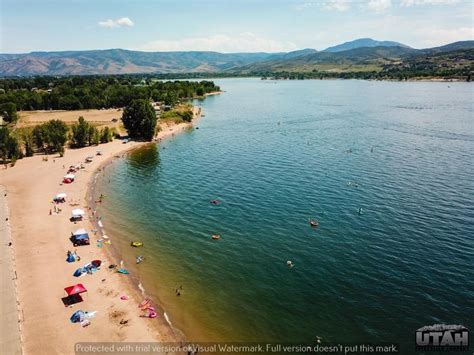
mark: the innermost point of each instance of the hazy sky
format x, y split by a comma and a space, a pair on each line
228, 26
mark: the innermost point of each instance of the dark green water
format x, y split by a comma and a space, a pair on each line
276, 154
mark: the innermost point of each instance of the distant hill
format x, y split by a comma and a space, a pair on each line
120, 61
365, 58
360, 56
398, 61
363, 42
455, 46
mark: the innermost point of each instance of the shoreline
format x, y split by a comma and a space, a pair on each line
410, 80
134, 283
40, 242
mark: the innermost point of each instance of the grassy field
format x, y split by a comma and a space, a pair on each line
175, 115
95, 117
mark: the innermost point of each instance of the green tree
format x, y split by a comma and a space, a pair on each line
70, 102
96, 137
8, 112
40, 137
4, 136
90, 134
187, 115
9, 146
57, 132
51, 136
28, 141
106, 135
139, 119
170, 98
80, 133
200, 91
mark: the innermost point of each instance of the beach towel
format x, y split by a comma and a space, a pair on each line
90, 314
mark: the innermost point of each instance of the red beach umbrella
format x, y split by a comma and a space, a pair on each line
75, 290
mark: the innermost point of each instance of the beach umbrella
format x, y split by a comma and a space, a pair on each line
78, 272
96, 263
75, 289
60, 196
70, 176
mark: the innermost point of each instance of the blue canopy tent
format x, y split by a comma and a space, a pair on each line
77, 317
80, 237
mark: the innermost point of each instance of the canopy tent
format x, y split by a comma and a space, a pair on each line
80, 237
79, 232
72, 257
77, 213
77, 316
67, 179
75, 290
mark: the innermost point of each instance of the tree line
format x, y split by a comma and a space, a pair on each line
92, 92
139, 119
49, 137
135, 93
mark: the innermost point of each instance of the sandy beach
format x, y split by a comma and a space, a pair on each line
40, 241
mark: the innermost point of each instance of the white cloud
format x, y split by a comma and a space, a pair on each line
332, 5
379, 6
433, 36
120, 22
243, 42
426, 2
337, 5
304, 5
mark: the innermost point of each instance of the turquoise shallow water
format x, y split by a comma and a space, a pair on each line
277, 154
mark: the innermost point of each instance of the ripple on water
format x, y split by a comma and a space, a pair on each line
277, 159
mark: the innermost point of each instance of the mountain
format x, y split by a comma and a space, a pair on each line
362, 56
455, 46
454, 56
120, 61
363, 42
357, 59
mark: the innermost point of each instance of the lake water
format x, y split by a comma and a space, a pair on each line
277, 153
